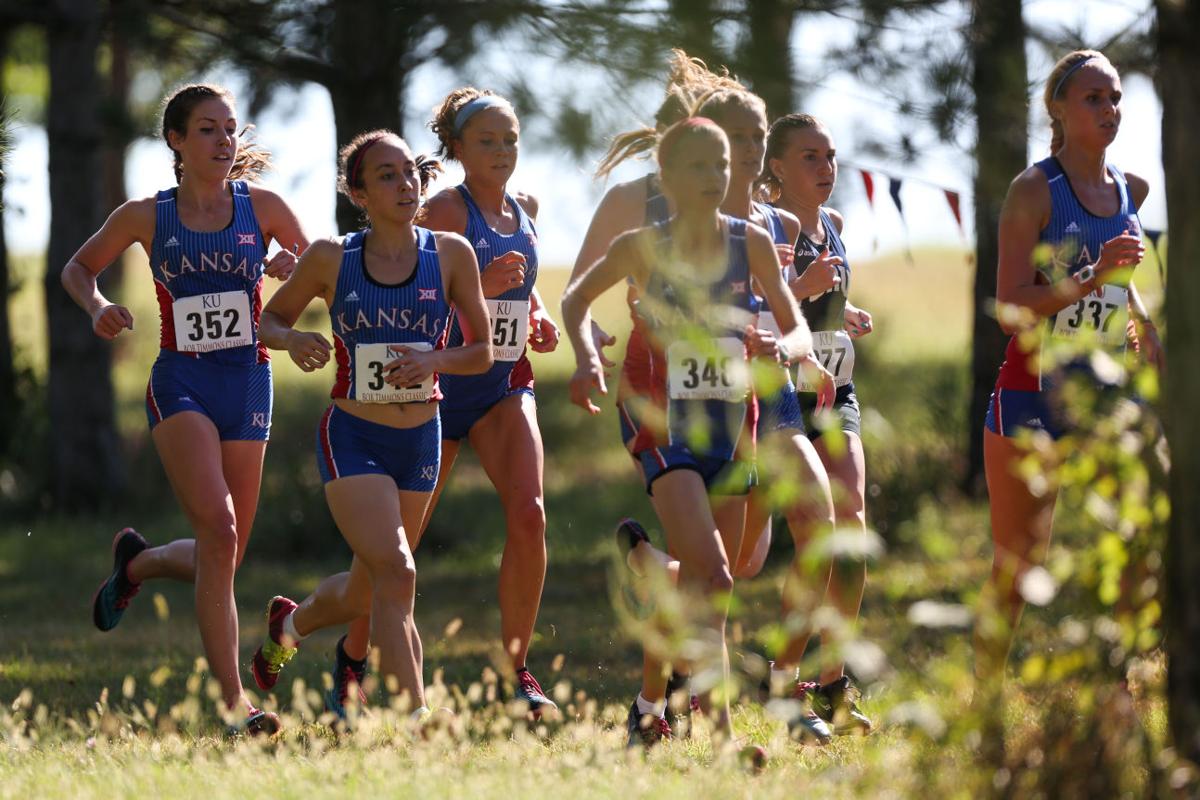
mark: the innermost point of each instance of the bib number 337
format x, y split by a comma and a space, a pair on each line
708, 370
1103, 314
207, 322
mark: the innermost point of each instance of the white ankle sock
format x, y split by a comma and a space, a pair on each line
644, 706
289, 629
783, 676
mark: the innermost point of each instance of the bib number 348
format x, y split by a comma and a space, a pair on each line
207, 322
709, 370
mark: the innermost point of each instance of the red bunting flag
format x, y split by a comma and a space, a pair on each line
869, 185
952, 199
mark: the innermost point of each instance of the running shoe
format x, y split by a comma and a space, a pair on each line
645, 730
347, 673
630, 534
113, 595
835, 703
679, 714
804, 723
257, 723
529, 690
274, 653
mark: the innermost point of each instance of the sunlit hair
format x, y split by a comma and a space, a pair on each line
778, 138
350, 159
1059, 80
444, 114
681, 132
688, 79
250, 160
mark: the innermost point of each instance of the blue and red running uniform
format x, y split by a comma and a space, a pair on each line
369, 319
636, 376
698, 362
1024, 397
209, 288
780, 411
469, 397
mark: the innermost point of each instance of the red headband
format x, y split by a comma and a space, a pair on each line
352, 174
677, 131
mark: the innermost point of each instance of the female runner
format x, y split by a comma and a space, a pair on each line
693, 279
389, 289
1085, 210
209, 395
800, 176
494, 411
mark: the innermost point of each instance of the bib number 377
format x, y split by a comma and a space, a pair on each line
207, 322
835, 351
710, 370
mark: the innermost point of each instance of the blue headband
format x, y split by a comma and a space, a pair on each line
1070, 71
475, 106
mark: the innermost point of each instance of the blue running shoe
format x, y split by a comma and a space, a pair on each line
113, 596
347, 673
529, 690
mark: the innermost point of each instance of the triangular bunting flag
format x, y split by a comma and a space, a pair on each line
1154, 236
894, 191
869, 185
952, 199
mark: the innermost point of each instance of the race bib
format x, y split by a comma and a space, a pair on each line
708, 370
510, 328
1105, 314
835, 351
207, 322
370, 361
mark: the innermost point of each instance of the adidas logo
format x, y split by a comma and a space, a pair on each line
352, 297
482, 244
172, 242
1072, 227
1036, 422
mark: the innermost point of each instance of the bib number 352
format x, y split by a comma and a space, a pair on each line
510, 328
207, 322
710, 370
370, 384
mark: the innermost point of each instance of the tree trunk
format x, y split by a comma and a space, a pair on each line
999, 80
693, 28
84, 454
766, 58
119, 129
1179, 64
367, 89
8, 374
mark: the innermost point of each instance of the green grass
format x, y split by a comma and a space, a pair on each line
92, 740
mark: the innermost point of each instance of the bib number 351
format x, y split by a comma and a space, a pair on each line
510, 328
207, 322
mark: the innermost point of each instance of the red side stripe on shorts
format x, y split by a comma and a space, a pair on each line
151, 402
999, 414
326, 448
658, 456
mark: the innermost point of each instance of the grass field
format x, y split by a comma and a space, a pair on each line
84, 714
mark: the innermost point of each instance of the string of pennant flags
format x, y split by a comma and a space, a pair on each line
954, 201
